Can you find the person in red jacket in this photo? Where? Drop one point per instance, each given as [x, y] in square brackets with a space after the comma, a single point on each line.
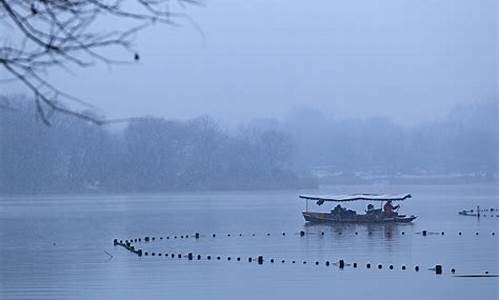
[389, 210]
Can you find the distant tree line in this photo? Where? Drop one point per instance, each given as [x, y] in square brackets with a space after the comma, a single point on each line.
[155, 154]
[465, 141]
[149, 154]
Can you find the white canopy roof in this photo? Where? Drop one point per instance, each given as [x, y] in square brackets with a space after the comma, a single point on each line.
[354, 197]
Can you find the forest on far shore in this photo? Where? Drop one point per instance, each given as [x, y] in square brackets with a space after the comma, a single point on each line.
[149, 154]
[157, 154]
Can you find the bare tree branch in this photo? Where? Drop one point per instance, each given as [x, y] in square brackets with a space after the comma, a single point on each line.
[62, 33]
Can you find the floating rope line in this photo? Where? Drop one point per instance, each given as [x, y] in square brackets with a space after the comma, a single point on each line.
[259, 259]
[148, 239]
[341, 264]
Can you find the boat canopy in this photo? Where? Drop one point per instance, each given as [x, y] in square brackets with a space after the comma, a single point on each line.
[355, 197]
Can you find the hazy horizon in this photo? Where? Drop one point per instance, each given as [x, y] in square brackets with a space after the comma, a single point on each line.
[410, 61]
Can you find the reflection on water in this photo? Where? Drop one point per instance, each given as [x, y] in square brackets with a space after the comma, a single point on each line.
[53, 246]
[386, 230]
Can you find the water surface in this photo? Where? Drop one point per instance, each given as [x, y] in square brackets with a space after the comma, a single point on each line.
[53, 246]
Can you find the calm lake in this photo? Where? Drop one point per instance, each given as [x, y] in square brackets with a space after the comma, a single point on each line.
[54, 247]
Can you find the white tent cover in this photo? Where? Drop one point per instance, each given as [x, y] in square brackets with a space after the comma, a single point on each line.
[354, 197]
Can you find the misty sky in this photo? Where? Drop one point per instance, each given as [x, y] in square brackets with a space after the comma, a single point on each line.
[413, 60]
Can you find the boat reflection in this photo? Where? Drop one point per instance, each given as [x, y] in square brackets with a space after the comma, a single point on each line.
[386, 231]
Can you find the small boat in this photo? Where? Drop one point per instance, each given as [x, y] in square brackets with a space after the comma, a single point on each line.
[469, 213]
[342, 215]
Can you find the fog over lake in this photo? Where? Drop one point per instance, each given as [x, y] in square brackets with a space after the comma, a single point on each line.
[258, 149]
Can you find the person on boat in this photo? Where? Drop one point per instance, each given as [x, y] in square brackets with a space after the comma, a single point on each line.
[389, 210]
[337, 210]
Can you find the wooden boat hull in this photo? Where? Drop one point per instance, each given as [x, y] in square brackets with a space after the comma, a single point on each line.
[317, 217]
[469, 213]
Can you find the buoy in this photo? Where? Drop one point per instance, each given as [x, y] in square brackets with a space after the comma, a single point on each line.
[402, 233]
[213, 235]
[453, 271]
[115, 242]
[228, 258]
[356, 233]
[182, 236]
[161, 238]
[403, 267]
[168, 237]
[304, 262]
[322, 233]
[268, 234]
[159, 254]
[260, 260]
[442, 232]
[139, 252]
[317, 262]
[238, 258]
[153, 238]
[218, 257]
[327, 263]
[459, 233]
[438, 269]
[417, 268]
[272, 260]
[341, 263]
[253, 234]
[302, 233]
[198, 257]
[379, 266]
[282, 261]
[190, 256]
[179, 255]
[175, 237]
[293, 261]
[249, 259]
[283, 234]
[492, 233]
[197, 235]
[145, 253]
[240, 234]
[424, 232]
[477, 233]
[173, 255]
[368, 266]
[209, 257]
[355, 265]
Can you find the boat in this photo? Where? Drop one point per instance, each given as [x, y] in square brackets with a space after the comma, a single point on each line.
[342, 215]
[469, 213]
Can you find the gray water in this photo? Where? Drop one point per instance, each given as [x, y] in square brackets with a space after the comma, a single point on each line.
[53, 247]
